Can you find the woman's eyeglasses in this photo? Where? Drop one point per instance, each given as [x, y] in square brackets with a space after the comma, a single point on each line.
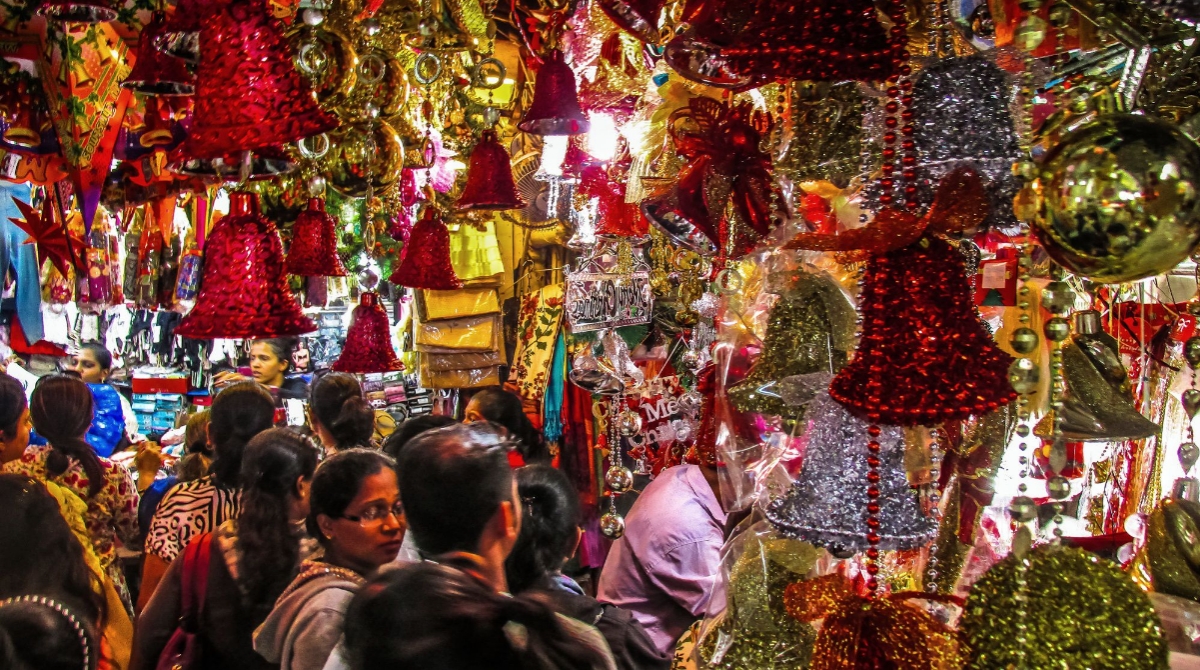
[375, 514]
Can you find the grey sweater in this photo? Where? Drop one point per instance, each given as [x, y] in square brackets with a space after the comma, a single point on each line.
[306, 624]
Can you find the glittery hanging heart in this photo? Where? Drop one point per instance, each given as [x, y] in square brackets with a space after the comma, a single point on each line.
[1191, 402]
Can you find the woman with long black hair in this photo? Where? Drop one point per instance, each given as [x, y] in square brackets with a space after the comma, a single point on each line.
[61, 409]
[504, 409]
[250, 560]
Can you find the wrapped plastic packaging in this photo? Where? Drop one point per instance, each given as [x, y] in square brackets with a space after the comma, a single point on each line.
[458, 304]
[476, 333]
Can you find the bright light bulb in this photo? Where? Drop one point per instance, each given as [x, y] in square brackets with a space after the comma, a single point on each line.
[602, 138]
[554, 152]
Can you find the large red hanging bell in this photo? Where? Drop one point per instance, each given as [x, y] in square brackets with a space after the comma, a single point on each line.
[555, 109]
[489, 177]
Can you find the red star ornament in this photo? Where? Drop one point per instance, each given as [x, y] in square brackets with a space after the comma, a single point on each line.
[49, 237]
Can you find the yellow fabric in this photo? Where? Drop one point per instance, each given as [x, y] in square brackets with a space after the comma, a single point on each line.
[460, 379]
[456, 304]
[477, 333]
[475, 253]
[118, 627]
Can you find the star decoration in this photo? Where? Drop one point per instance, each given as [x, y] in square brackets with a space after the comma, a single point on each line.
[50, 238]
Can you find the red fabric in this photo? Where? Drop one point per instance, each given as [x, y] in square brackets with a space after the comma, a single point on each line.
[19, 344]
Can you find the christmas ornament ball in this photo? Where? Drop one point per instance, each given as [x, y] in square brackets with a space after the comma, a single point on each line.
[1119, 199]
[612, 525]
[619, 479]
[629, 423]
[361, 155]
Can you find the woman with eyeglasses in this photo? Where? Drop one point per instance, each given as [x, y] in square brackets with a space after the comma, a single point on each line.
[355, 513]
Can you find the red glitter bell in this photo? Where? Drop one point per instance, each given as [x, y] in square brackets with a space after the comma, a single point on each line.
[555, 109]
[425, 262]
[244, 292]
[615, 217]
[79, 11]
[369, 340]
[489, 177]
[155, 72]
[314, 244]
[924, 357]
[180, 35]
[248, 92]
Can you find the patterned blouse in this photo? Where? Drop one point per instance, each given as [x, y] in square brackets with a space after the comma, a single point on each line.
[188, 511]
[111, 513]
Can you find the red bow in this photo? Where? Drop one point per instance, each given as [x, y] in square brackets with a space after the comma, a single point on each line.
[726, 164]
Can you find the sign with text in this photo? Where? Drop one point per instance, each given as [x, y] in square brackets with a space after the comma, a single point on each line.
[598, 297]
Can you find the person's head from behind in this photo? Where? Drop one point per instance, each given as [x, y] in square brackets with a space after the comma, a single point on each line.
[427, 616]
[93, 362]
[40, 633]
[15, 422]
[41, 557]
[504, 408]
[458, 491]
[549, 527]
[270, 359]
[61, 407]
[411, 428]
[238, 413]
[277, 472]
[355, 511]
[340, 414]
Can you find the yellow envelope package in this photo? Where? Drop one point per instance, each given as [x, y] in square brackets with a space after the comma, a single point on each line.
[461, 303]
[460, 379]
[475, 333]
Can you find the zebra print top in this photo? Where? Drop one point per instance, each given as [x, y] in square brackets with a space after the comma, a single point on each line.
[187, 511]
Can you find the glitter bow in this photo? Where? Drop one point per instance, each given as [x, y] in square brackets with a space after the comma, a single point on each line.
[961, 203]
[724, 166]
[869, 633]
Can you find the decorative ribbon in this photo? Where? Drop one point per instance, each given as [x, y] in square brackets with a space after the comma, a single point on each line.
[724, 146]
[871, 633]
[961, 203]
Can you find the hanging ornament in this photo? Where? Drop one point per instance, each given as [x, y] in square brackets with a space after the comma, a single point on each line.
[368, 340]
[555, 108]
[155, 72]
[78, 11]
[328, 60]
[244, 293]
[1169, 562]
[614, 216]
[629, 423]
[489, 177]
[619, 478]
[364, 157]
[1120, 199]
[49, 236]
[248, 92]
[636, 17]
[313, 252]
[1097, 402]
[1059, 607]
[726, 189]
[180, 35]
[425, 261]
[825, 503]
[612, 525]
[27, 126]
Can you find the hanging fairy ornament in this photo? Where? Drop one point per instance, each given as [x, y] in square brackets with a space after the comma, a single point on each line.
[923, 356]
[726, 188]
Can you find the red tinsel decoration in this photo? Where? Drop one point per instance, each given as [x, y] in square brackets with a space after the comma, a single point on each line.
[368, 341]
[244, 292]
[425, 261]
[616, 217]
[489, 177]
[823, 40]
[924, 357]
[248, 92]
[314, 244]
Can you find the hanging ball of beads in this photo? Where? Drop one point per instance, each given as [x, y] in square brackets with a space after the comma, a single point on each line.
[629, 423]
[1119, 199]
[619, 479]
[612, 525]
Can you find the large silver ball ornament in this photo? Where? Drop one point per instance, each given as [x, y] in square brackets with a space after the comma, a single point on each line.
[1119, 199]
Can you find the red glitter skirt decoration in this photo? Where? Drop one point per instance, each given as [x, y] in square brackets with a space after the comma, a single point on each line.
[369, 340]
[248, 92]
[314, 244]
[244, 292]
[924, 357]
[425, 262]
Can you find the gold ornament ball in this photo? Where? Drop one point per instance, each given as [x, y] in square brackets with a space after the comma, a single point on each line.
[619, 479]
[1119, 199]
[612, 525]
[1058, 608]
[629, 423]
[352, 159]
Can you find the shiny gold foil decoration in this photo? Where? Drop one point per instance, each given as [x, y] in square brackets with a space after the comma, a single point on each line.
[756, 632]
[823, 133]
[1057, 608]
[1170, 561]
[860, 633]
[360, 156]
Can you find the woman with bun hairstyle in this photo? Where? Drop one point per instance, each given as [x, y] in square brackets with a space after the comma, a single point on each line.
[52, 607]
[355, 513]
[250, 561]
[190, 509]
[61, 409]
[430, 616]
[340, 416]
